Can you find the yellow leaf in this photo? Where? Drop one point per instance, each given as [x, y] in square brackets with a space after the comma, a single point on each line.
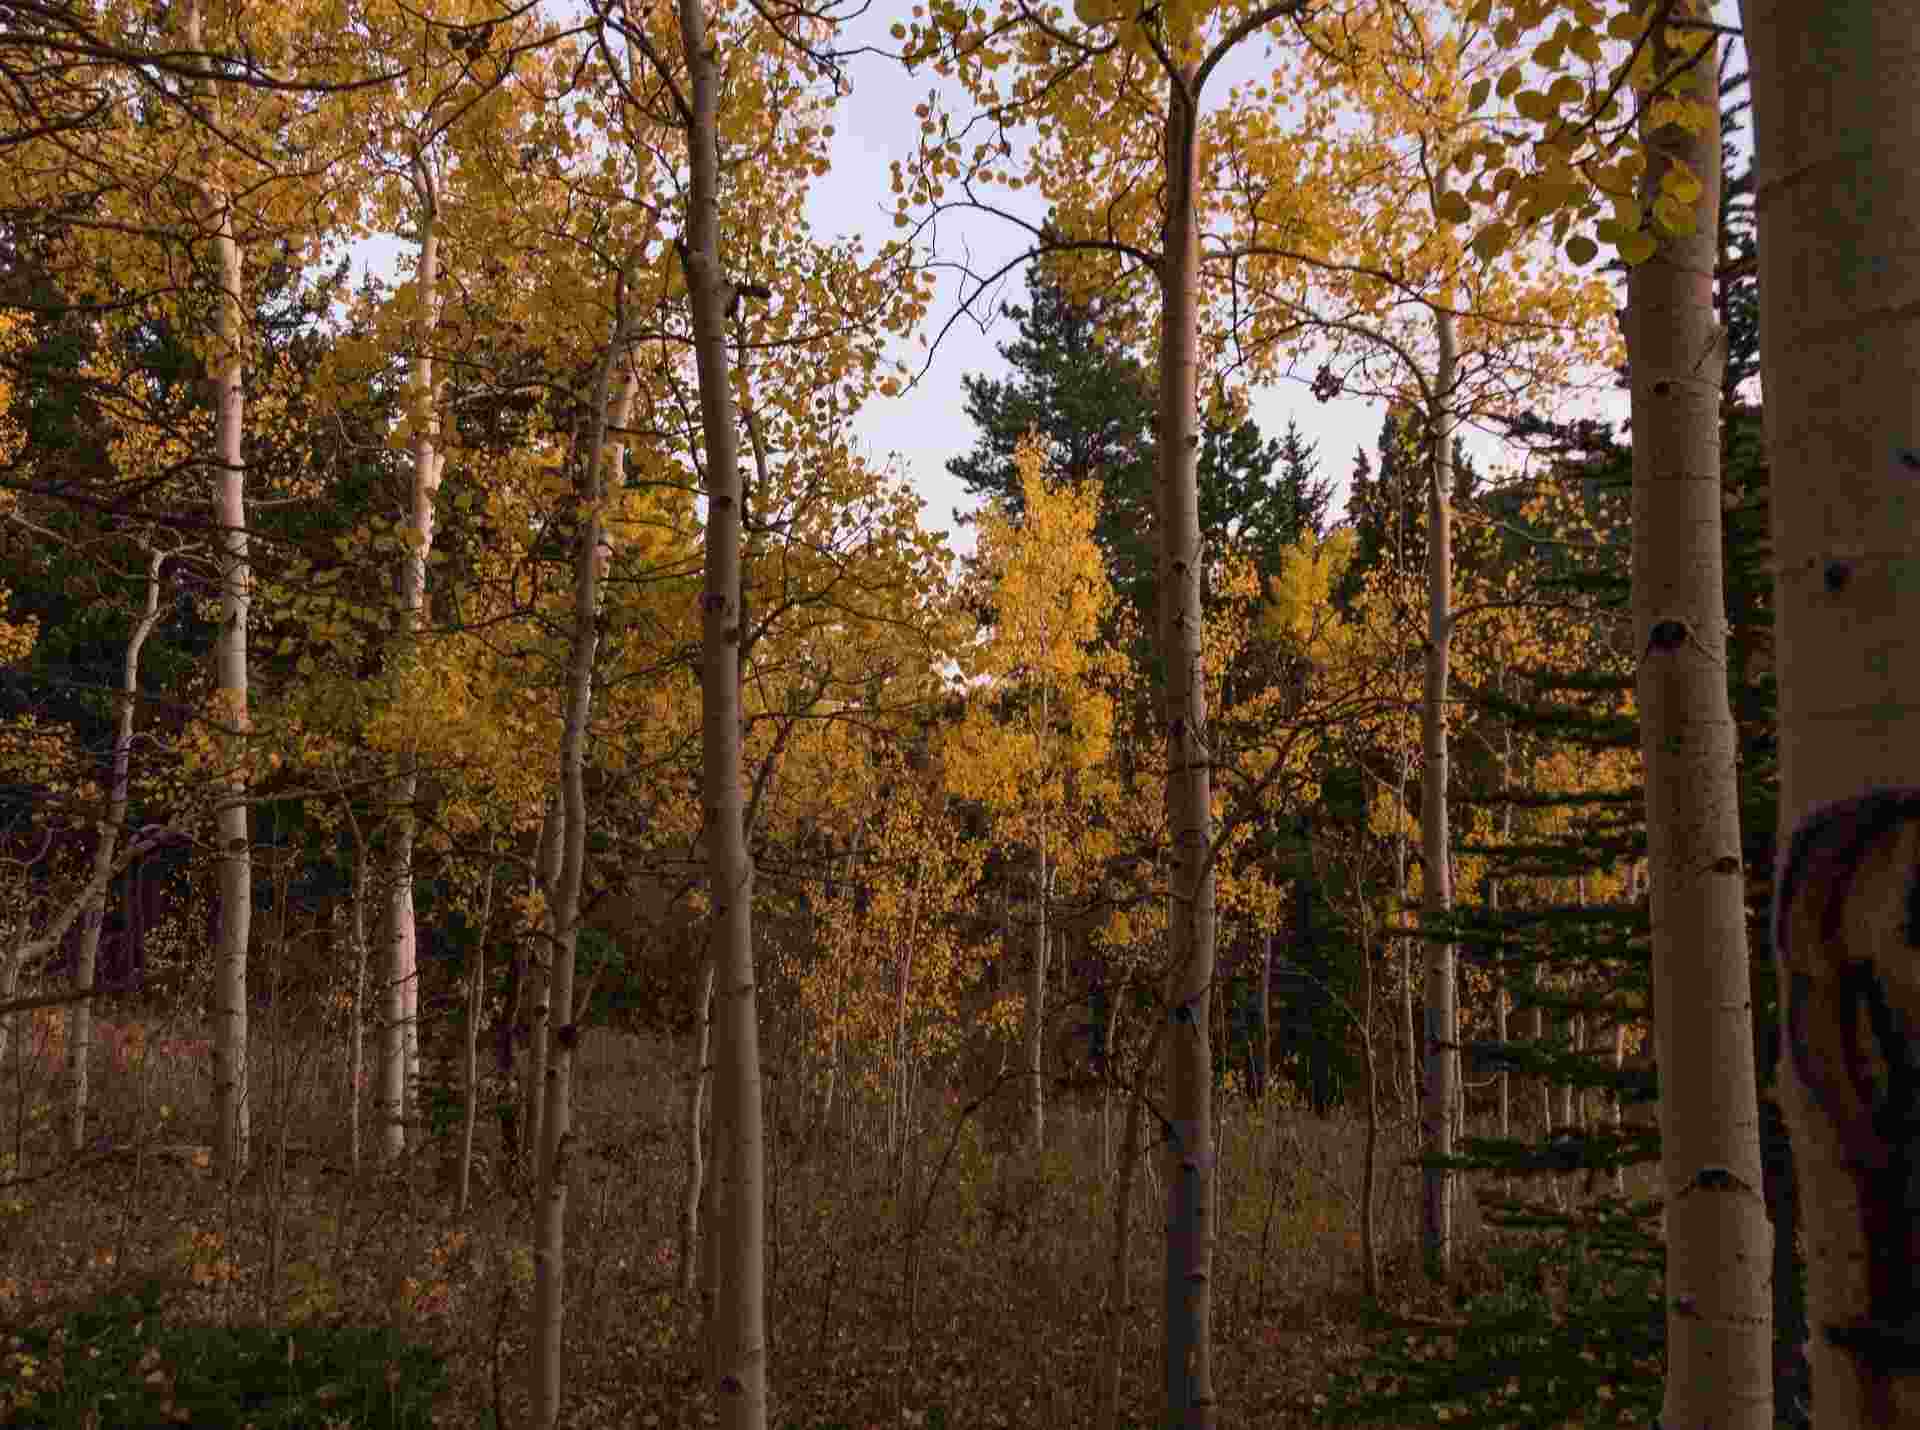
[1582, 249]
[1452, 208]
[1492, 241]
[1673, 216]
[1477, 96]
[1625, 26]
[1680, 182]
[1534, 105]
[1510, 81]
[1637, 247]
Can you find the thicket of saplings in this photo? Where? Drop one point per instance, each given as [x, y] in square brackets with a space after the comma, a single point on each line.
[924, 1267]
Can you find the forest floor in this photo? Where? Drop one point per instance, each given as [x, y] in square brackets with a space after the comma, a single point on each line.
[939, 1287]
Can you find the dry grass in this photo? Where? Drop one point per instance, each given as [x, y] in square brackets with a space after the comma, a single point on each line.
[894, 1299]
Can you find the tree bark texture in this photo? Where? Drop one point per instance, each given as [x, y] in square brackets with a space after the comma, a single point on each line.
[1837, 111]
[232, 1112]
[1189, 1149]
[1719, 1246]
[400, 1026]
[739, 1329]
[80, 1023]
[1441, 1042]
[601, 464]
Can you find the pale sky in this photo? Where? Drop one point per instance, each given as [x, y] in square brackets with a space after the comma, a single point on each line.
[928, 425]
[924, 427]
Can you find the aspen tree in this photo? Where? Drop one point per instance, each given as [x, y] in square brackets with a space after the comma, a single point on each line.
[232, 1107]
[611, 405]
[80, 1027]
[1719, 1321]
[400, 1032]
[1037, 771]
[739, 1328]
[1837, 181]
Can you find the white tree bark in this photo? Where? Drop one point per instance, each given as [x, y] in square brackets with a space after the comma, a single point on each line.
[230, 1091]
[1838, 177]
[1036, 996]
[539, 970]
[80, 1025]
[1719, 1244]
[357, 1013]
[698, 1074]
[1189, 1154]
[739, 1324]
[470, 1072]
[400, 1031]
[1442, 1049]
[601, 464]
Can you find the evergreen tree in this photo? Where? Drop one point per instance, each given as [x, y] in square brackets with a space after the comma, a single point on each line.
[1605, 1258]
[1093, 408]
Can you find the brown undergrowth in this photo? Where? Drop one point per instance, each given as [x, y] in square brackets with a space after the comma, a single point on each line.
[942, 1283]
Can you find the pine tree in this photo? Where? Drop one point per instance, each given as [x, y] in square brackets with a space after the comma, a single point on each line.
[1093, 408]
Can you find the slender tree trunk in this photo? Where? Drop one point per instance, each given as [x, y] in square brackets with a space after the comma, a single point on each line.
[80, 1021]
[357, 1013]
[739, 1316]
[1619, 1062]
[1838, 177]
[1370, 1158]
[539, 975]
[231, 1107]
[1502, 997]
[1442, 1046]
[400, 1031]
[1265, 1034]
[1537, 1030]
[1035, 1030]
[476, 990]
[839, 987]
[601, 465]
[392, 1044]
[1189, 1133]
[1719, 1313]
[1409, 1044]
[697, 1076]
[1119, 1307]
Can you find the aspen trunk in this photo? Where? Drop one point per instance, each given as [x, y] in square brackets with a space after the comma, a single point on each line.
[357, 1012]
[476, 989]
[400, 1032]
[1189, 1133]
[602, 461]
[1370, 1158]
[1719, 1313]
[739, 1326]
[1035, 1025]
[392, 1044]
[1265, 1033]
[1442, 1047]
[1119, 1307]
[231, 1108]
[539, 971]
[1838, 175]
[1409, 1050]
[1502, 999]
[697, 1076]
[80, 1019]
